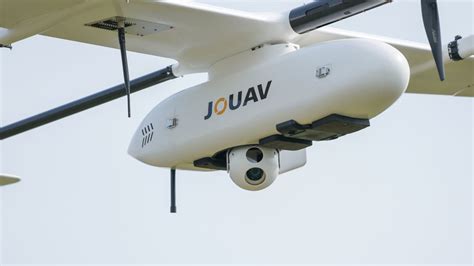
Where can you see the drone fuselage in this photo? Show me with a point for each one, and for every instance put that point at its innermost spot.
(248, 96)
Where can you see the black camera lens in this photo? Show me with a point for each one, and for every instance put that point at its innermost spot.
(255, 176)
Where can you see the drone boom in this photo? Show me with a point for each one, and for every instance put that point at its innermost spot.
(320, 13)
(85, 103)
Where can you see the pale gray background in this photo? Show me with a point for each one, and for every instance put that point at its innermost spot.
(398, 192)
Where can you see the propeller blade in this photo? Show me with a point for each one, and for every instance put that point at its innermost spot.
(429, 9)
(8, 179)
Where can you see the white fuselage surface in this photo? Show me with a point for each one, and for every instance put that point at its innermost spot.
(355, 78)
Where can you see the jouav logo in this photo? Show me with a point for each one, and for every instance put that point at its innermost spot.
(234, 101)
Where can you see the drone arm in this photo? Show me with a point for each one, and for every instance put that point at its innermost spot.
(85, 103)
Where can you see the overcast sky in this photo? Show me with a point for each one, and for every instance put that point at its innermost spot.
(398, 192)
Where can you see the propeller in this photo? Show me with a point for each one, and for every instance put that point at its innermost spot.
(8, 179)
(429, 10)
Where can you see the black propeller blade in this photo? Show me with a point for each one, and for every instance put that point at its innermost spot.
(429, 9)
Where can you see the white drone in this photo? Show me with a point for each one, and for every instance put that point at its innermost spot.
(277, 82)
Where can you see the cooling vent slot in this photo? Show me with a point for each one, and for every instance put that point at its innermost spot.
(132, 26)
(110, 24)
(147, 133)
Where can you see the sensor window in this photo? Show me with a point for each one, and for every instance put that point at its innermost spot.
(254, 155)
(255, 176)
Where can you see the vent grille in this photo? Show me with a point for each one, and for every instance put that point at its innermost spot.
(147, 133)
(132, 26)
(111, 24)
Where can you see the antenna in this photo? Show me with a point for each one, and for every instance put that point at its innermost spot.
(123, 53)
(173, 190)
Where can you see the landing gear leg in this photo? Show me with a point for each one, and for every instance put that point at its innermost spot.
(173, 190)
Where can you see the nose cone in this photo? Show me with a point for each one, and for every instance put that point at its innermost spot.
(134, 148)
(141, 141)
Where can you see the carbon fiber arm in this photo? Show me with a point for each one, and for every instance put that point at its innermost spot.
(85, 103)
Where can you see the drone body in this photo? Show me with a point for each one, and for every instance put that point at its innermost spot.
(304, 85)
(277, 82)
